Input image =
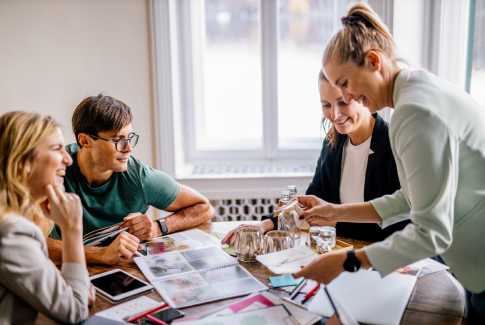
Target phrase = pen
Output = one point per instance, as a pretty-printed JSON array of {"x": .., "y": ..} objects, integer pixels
[
  {"x": 155, "y": 320},
  {"x": 310, "y": 293},
  {"x": 333, "y": 305},
  {"x": 300, "y": 286},
  {"x": 146, "y": 313},
  {"x": 297, "y": 286},
  {"x": 291, "y": 316},
  {"x": 294, "y": 303}
]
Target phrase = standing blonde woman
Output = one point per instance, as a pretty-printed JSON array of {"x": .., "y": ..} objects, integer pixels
[
  {"x": 437, "y": 139},
  {"x": 32, "y": 166}
]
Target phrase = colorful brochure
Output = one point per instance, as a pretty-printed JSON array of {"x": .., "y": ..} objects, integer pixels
[{"x": 197, "y": 276}]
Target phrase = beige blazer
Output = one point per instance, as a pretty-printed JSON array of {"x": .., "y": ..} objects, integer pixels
[{"x": 30, "y": 283}]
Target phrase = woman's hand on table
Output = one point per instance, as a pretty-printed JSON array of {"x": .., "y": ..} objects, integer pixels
[
  {"x": 265, "y": 225},
  {"x": 324, "y": 269},
  {"x": 317, "y": 212}
]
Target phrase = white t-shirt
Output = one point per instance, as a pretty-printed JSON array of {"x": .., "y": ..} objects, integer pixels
[{"x": 354, "y": 166}]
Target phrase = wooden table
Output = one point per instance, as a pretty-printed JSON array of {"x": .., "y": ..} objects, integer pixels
[{"x": 437, "y": 298}]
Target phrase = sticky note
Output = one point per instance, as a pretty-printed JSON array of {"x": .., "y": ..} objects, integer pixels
[{"x": 283, "y": 281}]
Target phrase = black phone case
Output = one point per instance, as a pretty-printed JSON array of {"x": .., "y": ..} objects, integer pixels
[{"x": 166, "y": 315}]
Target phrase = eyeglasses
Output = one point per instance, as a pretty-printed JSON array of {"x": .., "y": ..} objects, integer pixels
[{"x": 121, "y": 144}]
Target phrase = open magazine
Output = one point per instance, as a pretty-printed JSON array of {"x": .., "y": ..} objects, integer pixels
[
  {"x": 185, "y": 240},
  {"x": 103, "y": 236},
  {"x": 197, "y": 276}
]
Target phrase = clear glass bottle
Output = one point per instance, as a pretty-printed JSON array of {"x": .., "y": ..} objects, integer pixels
[
  {"x": 286, "y": 220},
  {"x": 292, "y": 190},
  {"x": 285, "y": 197}
]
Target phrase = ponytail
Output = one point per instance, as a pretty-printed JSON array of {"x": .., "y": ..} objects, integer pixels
[{"x": 362, "y": 31}]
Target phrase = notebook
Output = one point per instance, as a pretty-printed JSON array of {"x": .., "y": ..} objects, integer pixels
[{"x": 197, "y": 276}]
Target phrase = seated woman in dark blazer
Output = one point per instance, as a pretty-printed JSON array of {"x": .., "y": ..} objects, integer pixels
[{"x": 355, "y": 165}]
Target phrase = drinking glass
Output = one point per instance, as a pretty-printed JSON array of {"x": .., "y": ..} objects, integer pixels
[
  {"x": 277, "y": 240},
  {"x": 248, "y": 243},
  {"x": 286, "y": 222}
]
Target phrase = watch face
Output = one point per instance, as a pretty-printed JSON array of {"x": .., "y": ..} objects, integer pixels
[{"x": 351, "y": 264}]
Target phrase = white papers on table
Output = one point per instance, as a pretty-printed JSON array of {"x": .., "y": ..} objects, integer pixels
[
  {"x": 345, "y": 317},
  {"x": 288, "y": 261},
  {"x": 301, "y": 315},
  {"x": 367, "y": 297},
  {"x": 269, "y": 315},
  {"x": 130, "y": 308},
  {"x": 429, "y": 266}
]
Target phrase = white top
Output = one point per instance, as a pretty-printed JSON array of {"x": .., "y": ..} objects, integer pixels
[
  {"x": 30, "y": 283},
  {"x": 354, "y": 165},
  {"x": 438, "y": 140}
]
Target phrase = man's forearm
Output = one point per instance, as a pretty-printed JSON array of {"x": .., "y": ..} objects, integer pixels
[
  {"x": 189, "y": 217},
  {"x": 54, "y": 246}
]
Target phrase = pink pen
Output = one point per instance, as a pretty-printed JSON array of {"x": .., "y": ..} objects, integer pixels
[{"x": 155, "y": 320}]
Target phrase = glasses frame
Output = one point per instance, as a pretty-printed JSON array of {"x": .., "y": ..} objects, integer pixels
[{"x": 116, "y": 142}]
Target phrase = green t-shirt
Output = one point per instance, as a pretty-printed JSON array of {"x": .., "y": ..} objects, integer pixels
[{"x": 133, "y": 190}]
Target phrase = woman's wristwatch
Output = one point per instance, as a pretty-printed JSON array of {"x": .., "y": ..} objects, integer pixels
[
  {"x": 352, "y": 263},
  {"x": 163, "y": 226}
]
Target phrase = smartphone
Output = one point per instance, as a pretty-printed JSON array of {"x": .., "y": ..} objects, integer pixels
[
  {"x": 117, "y": 285},
  {"x": 166, "y": 315}
]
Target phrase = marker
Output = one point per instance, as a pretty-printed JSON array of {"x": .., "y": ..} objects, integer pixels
[
  {"x": 302, "y": 280},
  {"x": 300, "y": 286},
  {"x": 310, "y": 293}
]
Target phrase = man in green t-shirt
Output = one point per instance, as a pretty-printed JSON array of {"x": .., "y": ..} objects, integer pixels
[{"x": 115, "y": 187}]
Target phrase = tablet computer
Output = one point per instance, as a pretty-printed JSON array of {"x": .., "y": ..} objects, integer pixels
[{"x": 117, "y": 285}]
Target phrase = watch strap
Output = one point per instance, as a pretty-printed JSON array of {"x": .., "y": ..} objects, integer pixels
[
  {"x": 352, "y": 263},
  {"x": 163, "y": 226}
]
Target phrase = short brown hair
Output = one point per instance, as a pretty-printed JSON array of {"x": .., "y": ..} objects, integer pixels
[{"x": 100, "y": 113}]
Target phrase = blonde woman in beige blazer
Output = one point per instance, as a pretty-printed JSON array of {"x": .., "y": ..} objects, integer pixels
[{"x": 32, "y": 166}]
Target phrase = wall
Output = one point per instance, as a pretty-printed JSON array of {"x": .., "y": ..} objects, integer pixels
[{"x": 54, "y": 53}]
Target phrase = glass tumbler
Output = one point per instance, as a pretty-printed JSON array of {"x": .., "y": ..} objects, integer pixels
[
  {"x": 277, "y": 240},
  {"x": 248, "y": 243}
]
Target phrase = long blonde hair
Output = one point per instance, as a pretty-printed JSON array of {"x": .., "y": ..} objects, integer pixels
[
  {"x": 20, "y": 134},
  {"x": 328, "y": 126},
  {"x": 362, "y": 31}
]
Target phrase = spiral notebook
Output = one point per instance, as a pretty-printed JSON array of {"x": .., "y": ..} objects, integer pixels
[{"x": 197, "y": 276}]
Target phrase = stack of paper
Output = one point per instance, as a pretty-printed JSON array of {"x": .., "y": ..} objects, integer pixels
[{"x": 367, "y": 297}]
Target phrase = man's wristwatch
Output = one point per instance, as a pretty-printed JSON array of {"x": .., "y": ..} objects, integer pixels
[
  {"x": 351, "y": 264},
  {"x": 163, "y": 226}
]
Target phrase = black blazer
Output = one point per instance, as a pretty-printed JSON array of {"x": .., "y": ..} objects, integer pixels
[{"x": 380, "y": 179}]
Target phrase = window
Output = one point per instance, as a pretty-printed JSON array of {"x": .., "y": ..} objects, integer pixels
[
  {"x": 236, "y": 89},
  {"x": 477, "y": 57},
  {"x": 247, "y": 76}
]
